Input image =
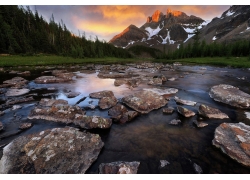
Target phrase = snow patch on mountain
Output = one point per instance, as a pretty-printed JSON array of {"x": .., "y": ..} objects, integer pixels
[
  {"x": 229, "y": 13},
  {"x": 204, "y": 24},
  {"x": 214, "y": 38},
  {"x": 189, "y": 36},
  {"x": 152, "y": 32},
  {"x": 164, "y": 41},
  {"x": 188, "y": 30}
]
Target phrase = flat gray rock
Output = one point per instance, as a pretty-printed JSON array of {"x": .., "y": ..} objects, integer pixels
[
  {"x": 210, "y": 112},
  {"x": 53, "y": 151},
  {"x": 185, "y": 112},
  {"x": 230, "y": 95},
  {"x": 161, "y": 92},
  {"x": 144, "y": 101},
  {"x": 234, "y": 140},
  {"x": 16, "y": 92},
  {"x": 184, "y": 102}
]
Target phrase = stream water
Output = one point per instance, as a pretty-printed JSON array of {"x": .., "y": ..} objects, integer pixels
[{"x": 148, "y": 138}]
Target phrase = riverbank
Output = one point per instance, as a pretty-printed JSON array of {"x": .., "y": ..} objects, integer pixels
[{"x": 7, "y": 61}]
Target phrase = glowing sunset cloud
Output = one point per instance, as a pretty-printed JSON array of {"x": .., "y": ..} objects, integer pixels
[{"x": 108, "y": 21}]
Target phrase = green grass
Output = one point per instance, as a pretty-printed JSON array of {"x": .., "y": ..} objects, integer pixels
[{"x": 7, "y": 61}]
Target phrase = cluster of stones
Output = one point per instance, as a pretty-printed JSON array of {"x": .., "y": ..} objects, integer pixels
[{"x": 58, "y": 77}]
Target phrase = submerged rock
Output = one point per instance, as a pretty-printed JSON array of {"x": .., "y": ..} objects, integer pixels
[
  {"x": 72, "y": 94},
  {"x": 185, "y": 102},
  {"x": 119, "y": 167},
  {"x": 1, "y": 126},
  {"x": 199, "y": 124},
  {"x": 234, "y": 140},
  {"x": 119, "y": 82},
  {"x": 15, "y": 107},
  {"x": 119, "y": 113},
  {"x": 175, "y": 122},
  {"x": 16, "y": 92},
  {"x": 53, "y": 151},
  {"x": 185, "y": 112},
  {"x": 210, "y": 112},
  {"x": 230, "y": 95},
  {"x": 144, "y": 101},
  {"x": 25, "y": 126},
  {"x": 52, "y": 102},
  {"x": 169, "y": 110}
]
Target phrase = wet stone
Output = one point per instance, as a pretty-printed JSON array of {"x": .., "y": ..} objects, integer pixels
[
  {"x": 15, "y": 107},
  {"x": 107, "y": 102},
  {"x": 210, "y": 112},
  {"x": 155, "y": 81},
  {"x": 185, "y": 112},
  {"x": 234, "y": 140},
  {"x": 24, "y": 126},
  {"x": 41, "y": 153},
  {"x": 144, "y": 101},
  {"x": 230, "y": 95},
  {"x": 184, "y": 102},
  {"x": 175, "y": 122},
  {"x": 19, "y": 100},
  {"x": 171, "y": 79},
  {"x": 162, "y": 92},
  {"x": 1, "y": 126},
  {"x": 169, "y": 110},
  {"x": 119, "y": 167},
  {"x": 16, "y": 82},
  {"x": 59, "y": 112},
  {"x": 101, "y": 94},
  {"x": 199, "y": 124},
  {"x": 197, "y": 169},
  {"x": 16, "y": 92},
  {"x": 72, "y": 94},
  {"x": 52, "y": 102}
]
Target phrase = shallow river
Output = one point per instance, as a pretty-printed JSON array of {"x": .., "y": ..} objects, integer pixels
[{"x": 148, "y": 138}]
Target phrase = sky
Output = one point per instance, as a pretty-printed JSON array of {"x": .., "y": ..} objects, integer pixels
[{"x": 105, "y": 19}]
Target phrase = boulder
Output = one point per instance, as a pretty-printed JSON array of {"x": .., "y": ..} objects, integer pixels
[
  {"x": 53, "y": 151},
  {"x": 175, "y": 122},
  {"x": 107, "y": 102},
  {"x": 210, "y": 112},
  {"x": 199, "y": 124},
  {"x": 119, "y": 82},
  {"x": 185, "y": 102},
  {"x": 234, "y": 140},
  {"x": 16, "y": 92},
  {"x": 155, "y": 81},
  {"x": 119, "y": 113},
  {"x": 69, "y": 114},
  {"x": 24, "y": 126},
  {"x": 119, "y": 167},
  {"x": 53, "y": 79},
  {"x": 230, "y": 95},
  {"x": 169, "y": 110},
  {"x": 144, "y": 101},
  {"x": 185, "y": 112},
  {"x": 101, "y": 94},
  {"x": 72, "y": 94},
  {"x": 16, "y": 82},
  {"x": 1, "y": 126},
  {"x": 52, "y": 102}
]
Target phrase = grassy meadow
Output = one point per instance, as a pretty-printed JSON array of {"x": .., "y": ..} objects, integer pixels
[{"x": 12, "y": 61}]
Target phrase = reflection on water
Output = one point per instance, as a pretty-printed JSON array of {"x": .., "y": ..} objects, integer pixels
[{"x": 149, "y": 138}]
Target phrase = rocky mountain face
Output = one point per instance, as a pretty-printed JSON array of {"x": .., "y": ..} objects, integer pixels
[
  {"x": 234, "y": 24},
  {"x": 171, "y": 29},
  {"x": 168, "y": 31}
]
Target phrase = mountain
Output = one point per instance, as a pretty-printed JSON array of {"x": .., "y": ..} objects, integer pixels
[
  {"x": 170, "y": 29},
  {"x": 233, "y": 25}
]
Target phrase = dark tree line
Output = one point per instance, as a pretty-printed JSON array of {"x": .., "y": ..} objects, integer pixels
[
  {"x": 25, "y": 32},
  {"x": 202, "y": 49}
]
